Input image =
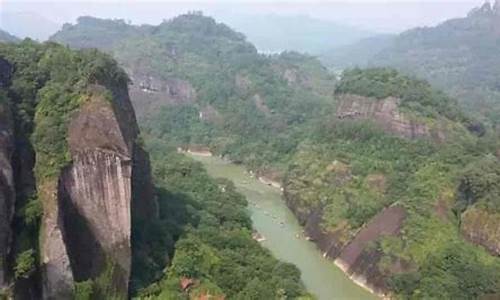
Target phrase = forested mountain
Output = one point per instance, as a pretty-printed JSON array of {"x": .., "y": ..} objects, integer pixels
[
  {"x": 7, "y": 37},
  {"x": 460, "y": 56},
  {"x": 387, "y": 174}
]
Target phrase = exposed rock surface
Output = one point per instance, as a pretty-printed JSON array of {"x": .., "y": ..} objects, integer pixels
[
  {"x": 150, "y": 93},
  {"x": 353, "y": 252},
  {"x": 386, "y": 113},
  {"x": 359, "y": 260},
  {"x": 90, "y": 231},
  {"x": 7, "y": 187},
  {"x": 482, "y": 228}
]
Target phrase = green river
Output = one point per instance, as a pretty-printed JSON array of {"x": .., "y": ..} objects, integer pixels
[{"x": 273, "y": 220}]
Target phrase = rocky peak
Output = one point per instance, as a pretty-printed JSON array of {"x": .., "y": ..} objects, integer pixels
[{"x": 487, "y": 9}]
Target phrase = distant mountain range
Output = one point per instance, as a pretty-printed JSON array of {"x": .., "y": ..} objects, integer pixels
[
  {"x": 7, "y": 37},
  {"x": 274, "y": 33},
  {"x": 27, "y": 24},
  {"x": 461, "y": 56}
]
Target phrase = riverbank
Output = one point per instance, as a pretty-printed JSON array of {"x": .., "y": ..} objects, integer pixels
[{"x": 283, "y": 235}]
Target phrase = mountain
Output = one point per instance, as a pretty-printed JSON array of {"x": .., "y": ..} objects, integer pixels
[
  {"x": 7, "y": 38},
  {"x": 381, "y": 169},
  {"x": 460, "y": 56},
  {"x": 274, "y": 33},
  {"x": 28, "y": 24}
]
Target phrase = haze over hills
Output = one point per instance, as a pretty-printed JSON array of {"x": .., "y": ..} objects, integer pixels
[
  {"x": 275, "y": 33},
  {"x": 387, "y": 174},
  {"x": 28, "y": 24},
  {"x": 7, "y": 37},
  {"x": 461, "y": 56}
]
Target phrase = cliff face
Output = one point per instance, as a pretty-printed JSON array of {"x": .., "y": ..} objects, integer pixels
[
  {"x": 353, "y": 252},
  {"x": 482, "y": 228},
  {"x": 7, "y": 188},
  {"x": 150, "y": 93},
  {"x": 91, "y": 233},
  {"x": 387, "y": 114},
  {"x": 66, "y": 217}
]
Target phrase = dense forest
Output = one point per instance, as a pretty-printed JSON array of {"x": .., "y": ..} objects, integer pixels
[{"x": 348, "y": 150}]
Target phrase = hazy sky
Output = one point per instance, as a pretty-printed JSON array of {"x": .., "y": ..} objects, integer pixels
[{"x": 375, "y": 15}]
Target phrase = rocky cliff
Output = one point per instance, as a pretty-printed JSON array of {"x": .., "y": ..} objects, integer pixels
[
  {"x": 95, "y": 197},
  {"x": 482, "y": 228},
  {"x": 387, "y": 114},
  {"x": 7, "y": 188},
  {"x": 354, "y": 252},
  {"x": 92, "y": 176}
]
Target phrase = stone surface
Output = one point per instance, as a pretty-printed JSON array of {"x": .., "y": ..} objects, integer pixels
[
  {"x": 7, "y": 186},
  {"x": 88, "y": 227},
  {"x": 149, "y": 93},
  {"x": 482, "y": 228},
  {"x": 385, "y": 113}
]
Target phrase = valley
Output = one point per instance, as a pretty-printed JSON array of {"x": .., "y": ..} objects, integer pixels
[
  {"x": 283, "y": 235},
  {"x": 176, "y": 161}
]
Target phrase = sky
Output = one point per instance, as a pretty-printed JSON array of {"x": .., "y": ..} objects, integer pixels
[{"x": 374, "y": 15}]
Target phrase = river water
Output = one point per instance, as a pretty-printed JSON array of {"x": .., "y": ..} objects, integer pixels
[{"x": 272, "y": 219}]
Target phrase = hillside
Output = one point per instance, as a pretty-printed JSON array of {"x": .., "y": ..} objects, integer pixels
[
  {"x": 378, "y": 167},
  {"x": 460, "y": 56}
]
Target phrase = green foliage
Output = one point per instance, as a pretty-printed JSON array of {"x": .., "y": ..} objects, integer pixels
[
  {"x": 454, "y": 272},
  {"x": 480, "y": 183},
  {"x": 83, "y": 290},
  {"x": 25, "y": 264},
  {"x": 32, "y": 212}
]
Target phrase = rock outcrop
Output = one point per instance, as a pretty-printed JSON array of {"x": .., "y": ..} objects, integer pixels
[
  {"x": 361, "y": 262},
  {"x": 352, "y": 251},
  {"x": 149, "y": 93},
  {"x": 89, "y": 233},
  {"x": 482, "y": 228},
  {"x": 387, "y": 114},
  {"x": 7, "y": 187}
]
